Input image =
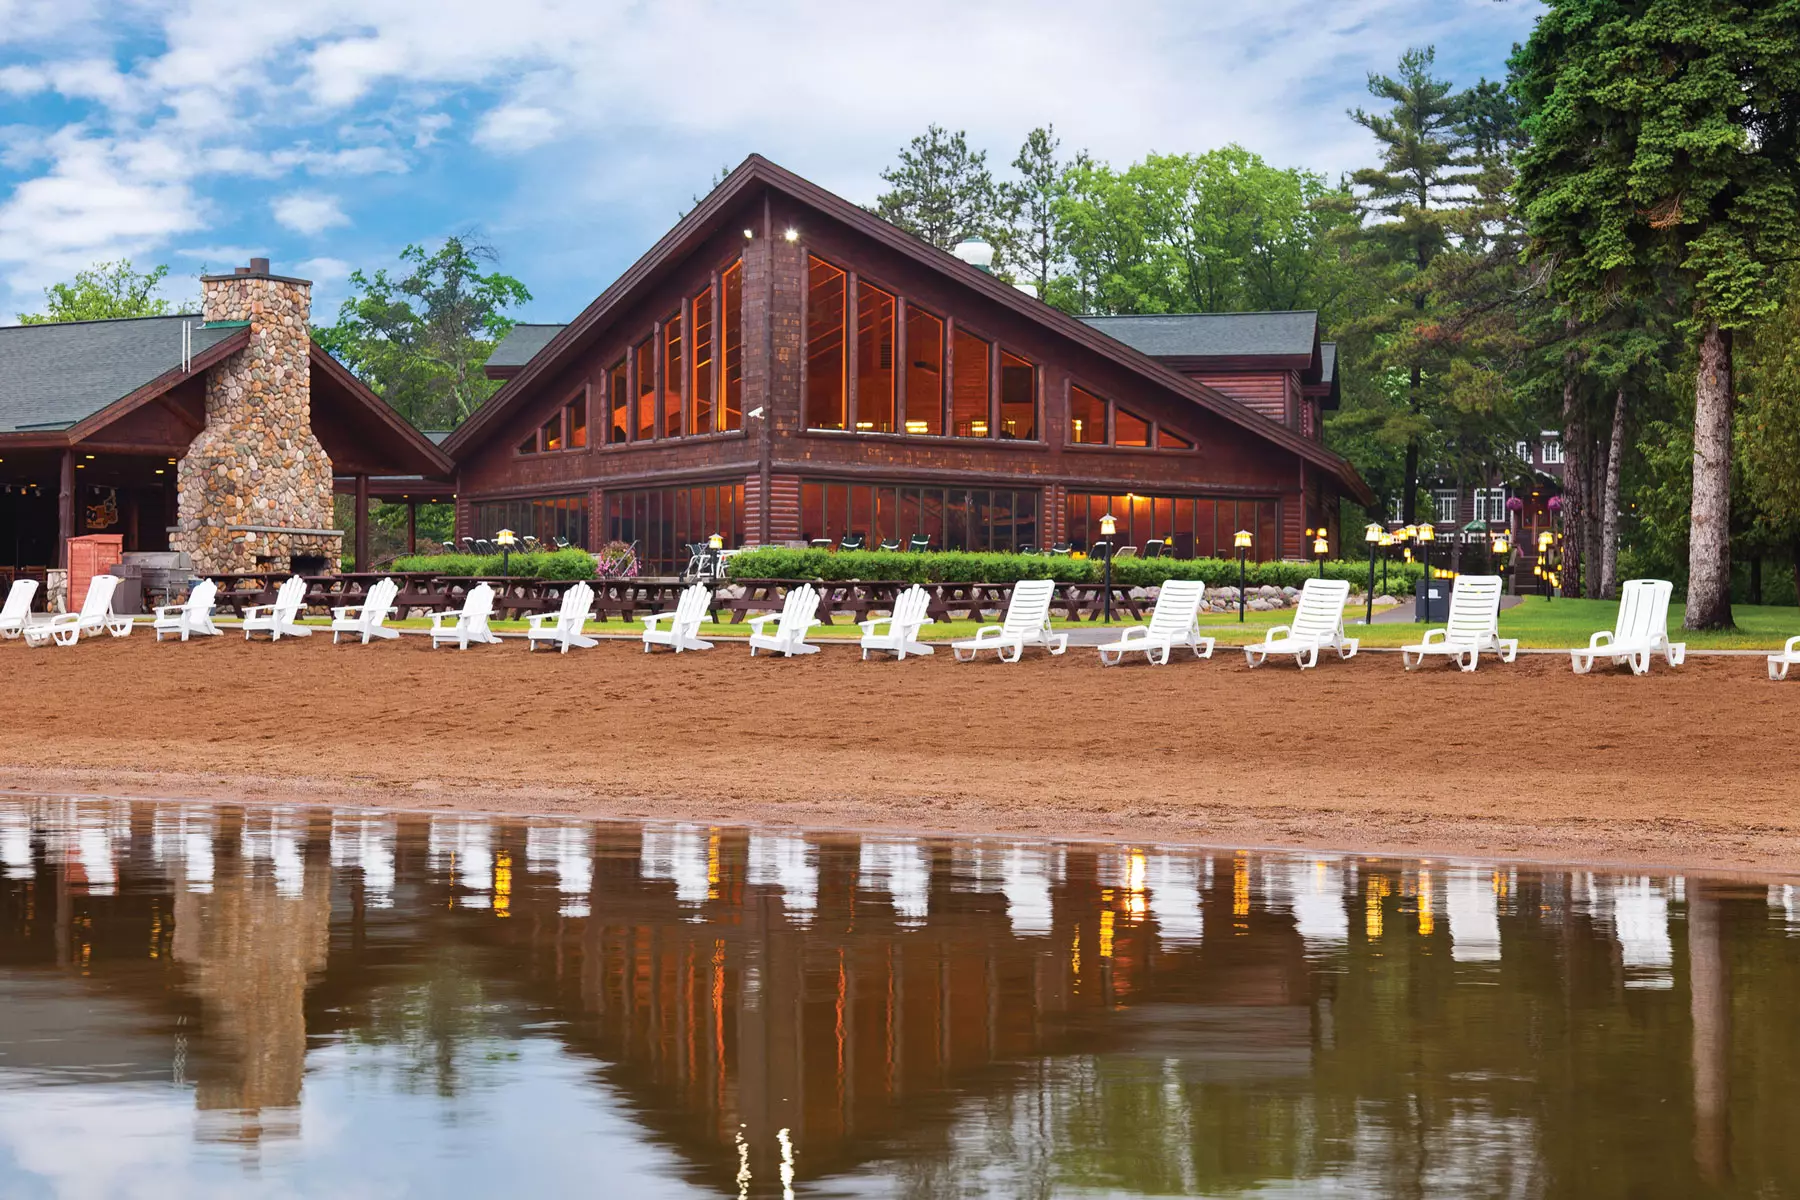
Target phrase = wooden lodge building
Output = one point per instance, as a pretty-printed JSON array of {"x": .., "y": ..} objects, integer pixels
[{"x": 783, "y": 366}]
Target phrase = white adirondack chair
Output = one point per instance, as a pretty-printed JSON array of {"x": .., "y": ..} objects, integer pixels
[
  {"x": 1641, "y": 629},
  {"x": 563, "y": 627},
  {"x": 683, "y": 632},
  {"x": 17, "y": 609},
  {"x": 902, "y": 636},
  {"x": 282, "y": 618},
  {"x": 1175, "y": 621},
  {"x": 470, "y": 624},
  {"x": 96, "y": 615},
  {"x": 367, "y": 619},
  {"x": 191, "y": 616},
  {"x": 1318, "y": 625},
  {"x": 799, "y": 613},
  {"x": 1473, "y": 626},
  {"x": 1779, "y": 663},
  {"x": 1027, "y": 623}
]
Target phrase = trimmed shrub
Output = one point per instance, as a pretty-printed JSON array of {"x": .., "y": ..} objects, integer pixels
[{"x": 554, "y": 564}]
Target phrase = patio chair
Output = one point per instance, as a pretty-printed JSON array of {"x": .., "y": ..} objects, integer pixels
[
  {"x": 1027, "y": 623},
  {"x": 282, "y": 618},
  {"x": 564, "y": 627},
  {"x": 890, "y": 544},
  {"x": 799, "y": 613},
  {"x": 1062, "y": 549},
  {"x": 468, "y": 545},
  {"x": 484, "y": 547},
  {"x": 1152, "y": 550},
  {"x": 918, "y": 543},
  {"x": 1779, "y": 663},
  {"x": 1027, "y": 548},
  {"x": 470, "y": 624},
  {"x": 1318, "y": 625},
  {"x": 367, "y": 619},
  {"x": 191, "y": 616},
  {"x": 530, "y": 543},
  {"x": 1640, "y": 630},
  {"x": 683, "y": 632},
  {"x": 1175, "y": 621},
  {"x": 96, "y": 615},
  {"x": 1125, "y": 552},
  {"x": 17, "y": 609},
  {"x": 563, "y": 543},
  {"x": 852, "y": 541},
  {"x": 902, "y": 636},
  {"x": 820, "y": 543},
  {"x": 697, "y": 555},
  {"x": 1472, "y": 626}
]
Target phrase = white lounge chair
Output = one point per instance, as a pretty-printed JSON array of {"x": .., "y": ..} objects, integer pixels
[
  {"x": 799, "y": 613},
  {"x": 282, "y": 618},
  {"x": 367, "y": 619},
  {"x": 1027, "y": 623},
  {"x": 96, "y": 615},
  {"x": 17, "y": 610},
  {"x": 1779, "y": 663},
  {"x": 683, "y": 632},
  {"x": 470, "y": 623},
  {"x": 1318, "y": 624},
  {"x": 191, "y": 616},
  {"x": 563, "y": 627},
  {"x": 1640, "y": 630},
  {"x": 902, "y": 636},
  {"x": 1175, "y": 621},
  {"x": 1472, "y": 626}
]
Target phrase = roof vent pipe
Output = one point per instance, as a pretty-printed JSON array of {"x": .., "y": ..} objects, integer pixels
[
  {"x": 259, "y": 266},
  {"x": 977, "y": 252}
]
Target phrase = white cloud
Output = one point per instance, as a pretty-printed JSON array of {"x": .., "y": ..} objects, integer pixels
[
  {"x": 513, "y": 128},
  {"x": 308, "y": 213}
]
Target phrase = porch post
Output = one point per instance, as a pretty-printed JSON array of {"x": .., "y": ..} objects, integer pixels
[
  {"x": 412, "y": 526},
  {"x": 65, "y": 509},
  {"x": 362, "y": 522}
]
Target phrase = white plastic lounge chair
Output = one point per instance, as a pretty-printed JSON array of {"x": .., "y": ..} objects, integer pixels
[
  {"x": 1779, "y": 663},
  {"x": 683, "y": 632},
  {"x": 1473, "y": 626},
  {"x": 96, "y": 615},
  {"x": 1027, "y": 623},
  {"x": 1175, "y": 621},
  {"x": 1641, "y": 629},
  {"x": 902, "y": 636},
  {"x": 191, "y": 616},
  {"x": 1318, "y": 625},
  {"x": 282, "y": 618},
  {"x": 367, "y": 619},
  {"x": 799, "y": 613},
  {"x": 17, "y": 609},
  {"x": 563, "y": 627},
  {"x": 468, "y": 625}
]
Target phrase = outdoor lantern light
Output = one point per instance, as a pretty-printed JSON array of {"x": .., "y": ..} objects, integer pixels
[
  {"x": 1107, "y": 528},
  {"x": 792, "y": 234},
  {"x": 505, "y": 540},
  {"x": 1373, "y": 533},
  {"x": 748, "y": 234},
  {"x": 716, "y": 541},
  {"x": 1321, "y": 547},
  {"x": 1241, "y": 539}
]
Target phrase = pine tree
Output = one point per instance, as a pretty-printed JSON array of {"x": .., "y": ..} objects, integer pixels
[
  {"x": 941, "y": 192},
  {"x": 1036, "y": 246}
]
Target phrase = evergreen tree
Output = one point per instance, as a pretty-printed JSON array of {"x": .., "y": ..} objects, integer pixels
[
  {"x": 940, "y": 191},
  {"x": 1666, "y": 144},
  {"x": 1037, "y": 249}
]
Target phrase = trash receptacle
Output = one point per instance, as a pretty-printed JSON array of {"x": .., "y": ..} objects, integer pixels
[
  {"x": 128, "y": 597},
  {"x": 1431, "y": 600}
]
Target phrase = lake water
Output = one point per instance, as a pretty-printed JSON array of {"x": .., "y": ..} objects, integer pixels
[{"x": 202, "y": 1001}]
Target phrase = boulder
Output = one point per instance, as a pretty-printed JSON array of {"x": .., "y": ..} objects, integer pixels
[{"x": 1261, "y": 605}]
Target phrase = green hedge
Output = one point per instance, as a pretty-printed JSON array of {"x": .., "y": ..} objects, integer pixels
[
  {"x": 554, "y": 564},
  {"x": 955, "y": 566}
]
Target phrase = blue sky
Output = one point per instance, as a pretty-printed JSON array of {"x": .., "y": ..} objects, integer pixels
[{"x": 327, "y": 134}]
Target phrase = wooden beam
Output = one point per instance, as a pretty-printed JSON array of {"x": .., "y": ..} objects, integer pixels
[
  {"x": 412, "y": 528},
  {"x": 362, "y": 522},
  {"x": 181, "y": 414},
  {"x": 65, "y": 509}
]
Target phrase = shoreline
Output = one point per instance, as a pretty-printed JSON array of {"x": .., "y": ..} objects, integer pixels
[{"x": 1681, "y": 770}]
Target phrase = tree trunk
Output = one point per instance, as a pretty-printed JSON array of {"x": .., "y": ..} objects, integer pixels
[
  {"x": 1575, "y": 480},
  {"x": 1756, "y": 579},
  {"x": 1409, "y": 502},
  {"x": 1609, "y": 512},
  {"x": 1709, "y": 526}
]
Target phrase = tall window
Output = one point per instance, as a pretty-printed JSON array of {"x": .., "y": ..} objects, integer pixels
[
  {"x": 1088, "y": 415},
  {"x": 1087, "y": 418},
  {"x": 1490, "y": 505},
  {"x": 1018, "y": 397},
  {"x": 825, "y": 388},
  {"x": 550, "y": 434},
  {"x": 1129, "y": 429},
  {"x": 672, "y": 374},
  {"x": 577, "y": 422},
  {"x": 1443, "y": 503},
  {"x": 731, "y": 415},
  {"x": 969, "y": 386},
  {"x": 664, "y": 521},
  {"x": 874, "y": 360},
  {"x": 618, "y": 420},
  {"x": 924, "y": 372},
  {"x": 545, "y": 518},
  {"x": 1553, "y": 452},
  {"x": 954, "y": 518},
  {"x": 700, "y": 388},
  {"x": 1189, "y": 527},
  {"x": 645, "y": 362}
]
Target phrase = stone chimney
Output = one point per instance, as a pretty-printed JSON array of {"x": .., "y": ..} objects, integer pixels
[{"x": 255, "y": 486}]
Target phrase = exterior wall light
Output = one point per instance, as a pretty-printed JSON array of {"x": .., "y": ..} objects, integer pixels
[
  {"x": 748, "y": 234},
  {"x": 792, "y": 234}
]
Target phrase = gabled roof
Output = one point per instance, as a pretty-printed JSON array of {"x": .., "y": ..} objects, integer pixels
[
  {"x": 1286, "y": 335},
  {"x": 53, "y": 376},
  {"x": 758, "y": 172},
  {"x": 517, "y": 348}
]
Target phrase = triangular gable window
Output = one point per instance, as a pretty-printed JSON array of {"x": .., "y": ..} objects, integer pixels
[
  {"x": 1129, "y": 429},
  {"x": 1171, "y": 441}
]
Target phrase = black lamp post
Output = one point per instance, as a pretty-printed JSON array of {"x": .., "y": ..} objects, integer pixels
[
  {"x": 1502, "y": 548},
  {"x": 1374, "y": 535},
  {"x": 505, "y": 539},
  {"x": 1425, "y": 535},
  {"x": 1108, "y": 526},
  {"x": 1321, "y": 547},
  {"x": 1242, "y": 540},
  {"x": 1386, "y": 544}
]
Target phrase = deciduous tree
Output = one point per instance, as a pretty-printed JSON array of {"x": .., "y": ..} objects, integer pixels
[{"x": 104, "y": 291}]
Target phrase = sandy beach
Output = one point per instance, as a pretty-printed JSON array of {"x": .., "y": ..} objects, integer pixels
[{"x": 1684, "y": 768}]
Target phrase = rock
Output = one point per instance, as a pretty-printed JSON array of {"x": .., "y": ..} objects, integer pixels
[
  {"x": 1385, "y": 602},
  {"x": 1262, "y": 606},
  {"x": 1290, "y": 592}
]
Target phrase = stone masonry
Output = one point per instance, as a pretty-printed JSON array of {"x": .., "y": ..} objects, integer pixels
[{"x": 255, "y": 486}]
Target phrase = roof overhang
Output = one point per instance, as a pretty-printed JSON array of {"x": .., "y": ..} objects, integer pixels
[{"x": 391, "y": 438}]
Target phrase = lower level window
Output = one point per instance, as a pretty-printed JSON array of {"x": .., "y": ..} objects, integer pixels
[
  {"x": 1189, "y": 527},
  {"x": 663, "y": 522},
  {"x": 546, "y": 518},
  {"x": 953, "y": 518}
]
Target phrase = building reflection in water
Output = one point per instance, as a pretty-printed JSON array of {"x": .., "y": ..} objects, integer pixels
[{"x": 1010, "y": 1018}]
